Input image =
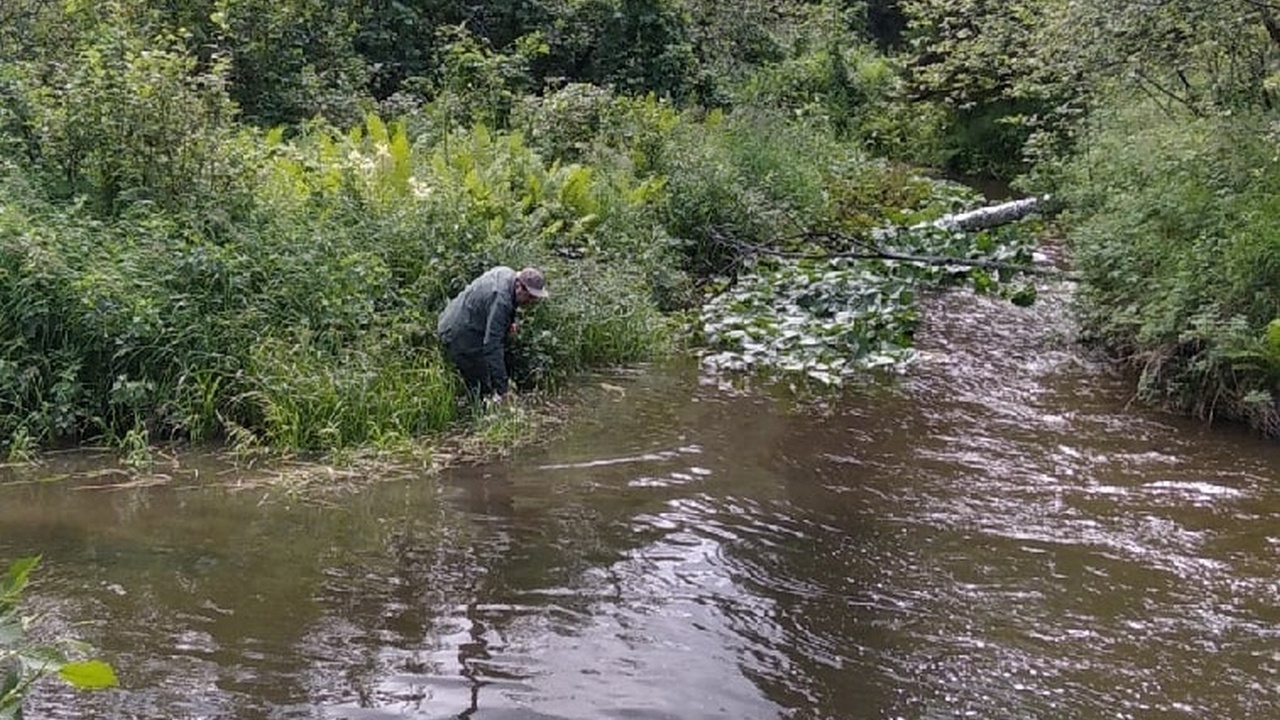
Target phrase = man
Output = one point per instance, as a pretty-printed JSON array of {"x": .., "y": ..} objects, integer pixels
[{"x": 475, "y": 325}]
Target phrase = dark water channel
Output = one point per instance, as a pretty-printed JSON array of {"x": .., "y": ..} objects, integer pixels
[{"x": 994, "y": 536}]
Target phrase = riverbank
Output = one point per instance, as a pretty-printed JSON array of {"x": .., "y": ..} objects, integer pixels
[{"x": 491, "y": 434}]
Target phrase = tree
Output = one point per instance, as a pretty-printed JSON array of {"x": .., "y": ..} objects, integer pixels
[{"x": 1190, "y": 55}]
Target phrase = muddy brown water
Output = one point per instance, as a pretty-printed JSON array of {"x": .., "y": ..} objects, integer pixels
[{"x": 996, "y": 534}]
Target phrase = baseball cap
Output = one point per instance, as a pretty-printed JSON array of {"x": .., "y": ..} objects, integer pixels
[{"x": 533, "y": 281}]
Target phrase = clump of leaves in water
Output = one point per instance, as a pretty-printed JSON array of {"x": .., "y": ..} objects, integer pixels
[
  {"x": 22, "y": 663},
  {"x": 825, "y": 320},
  {"x": 831, "y": 318}
]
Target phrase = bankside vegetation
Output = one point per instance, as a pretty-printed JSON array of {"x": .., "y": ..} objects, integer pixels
[
  {"x": 1157, "y": 124},
  {"x": 235, "y": 220}
]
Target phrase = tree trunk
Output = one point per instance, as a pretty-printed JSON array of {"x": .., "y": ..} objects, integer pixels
[{"x": 990, "y": 216}]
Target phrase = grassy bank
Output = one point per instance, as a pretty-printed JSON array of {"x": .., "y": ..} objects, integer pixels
[
  {"x": 1175, "y": 226},
  {"x": 296, "y": 309},
  {"x": 301, "y": 314}
]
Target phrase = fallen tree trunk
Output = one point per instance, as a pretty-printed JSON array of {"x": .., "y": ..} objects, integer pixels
[
  {"x": 968, "y": 221},
  {"x": 875, "y": 253},
  {"x": 988, "y": 217}
]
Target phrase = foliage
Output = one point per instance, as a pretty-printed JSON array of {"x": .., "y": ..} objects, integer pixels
[
  {"x": 129, "y": 119},
  {"x": 1193, "y": 54},
  {"x": 305, "y": 320},
  {"x": 1029, "y": 71},
  {"x": 290, "y": 60},
  {"x": 753, "y": 173},
  {"x": 592, "y": 124},
  {"x": 829, "y": 317},
  {"x": 1176, "y": 234},
  {"x": 828, "y": 321},
  {"x": 475, "y": 84},
  {"x": 316, "y": 400},
  {"x": 833, "y": 72},
  {"x": 609, "y": 318},
  {"x": 635, "y": 46},
  {"x": 973, "y": 61},
  {"x": 23, "y": 662}
]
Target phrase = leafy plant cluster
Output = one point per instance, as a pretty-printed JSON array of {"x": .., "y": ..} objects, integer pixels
[
  {"x": 304, "y": 318},
  {"x": 1155, "y": 123},
  {"x": 826, "y": 321},
  {"x": 823, "y": 313},
  {"x": 24, "y": 662},
  {"x": 1177, "y": 233}
]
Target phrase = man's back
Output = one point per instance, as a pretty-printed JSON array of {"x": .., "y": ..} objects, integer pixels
[{"x": 482, "y": 311}]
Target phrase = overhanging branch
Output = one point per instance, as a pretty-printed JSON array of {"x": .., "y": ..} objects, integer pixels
[
  {"x": 970, "y": 221},
  {"x": 874, "y": 253}
]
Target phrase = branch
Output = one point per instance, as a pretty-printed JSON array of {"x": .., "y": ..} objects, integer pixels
[
  {"x": 1147, "y": 84},
  {"x": 987, "y": 217},
  {"x": 874, "y": 253}
]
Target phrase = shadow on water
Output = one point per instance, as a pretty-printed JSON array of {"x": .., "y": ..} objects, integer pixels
[{"x": 993, "y": 535}]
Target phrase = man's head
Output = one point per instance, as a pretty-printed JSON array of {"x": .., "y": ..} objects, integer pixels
[{"x": 530, "y": 286}]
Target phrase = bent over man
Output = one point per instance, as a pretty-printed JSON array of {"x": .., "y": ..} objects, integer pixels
[{"x": 475, "y": 326}]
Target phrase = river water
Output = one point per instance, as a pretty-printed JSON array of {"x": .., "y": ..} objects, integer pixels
[{"x": 995, "y": 534}]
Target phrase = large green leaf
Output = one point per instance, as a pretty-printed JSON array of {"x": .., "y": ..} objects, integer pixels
[
  {"x": 89, "y": 675},
  {"x": 15, "y": 579},
  {"x": 1272, "y": 338}
]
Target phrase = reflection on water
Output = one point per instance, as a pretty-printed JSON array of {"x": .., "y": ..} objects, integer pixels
[{"x": 995, "y": 535}]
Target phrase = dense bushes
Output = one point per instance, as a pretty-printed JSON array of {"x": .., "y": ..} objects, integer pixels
[
  {"x": 304, "y": 320},
  {"x": 1177, "y": 232}
]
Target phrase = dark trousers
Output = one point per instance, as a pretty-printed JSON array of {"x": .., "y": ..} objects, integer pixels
[{"x": 474, "y": 370}]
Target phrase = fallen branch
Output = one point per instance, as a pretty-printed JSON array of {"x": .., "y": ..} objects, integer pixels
[
  {"x": 875, "y": 253},
  {"x": 987, "y": 217},
  {"x": 968, "y": 221}
]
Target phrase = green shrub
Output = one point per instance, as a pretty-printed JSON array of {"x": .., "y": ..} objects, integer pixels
[
  {"x": 132, "y": 120},
  {"x": 588, "y": 123},
  {"x": 1176, "y": 229},
  {"x": 604, "y": 316}
]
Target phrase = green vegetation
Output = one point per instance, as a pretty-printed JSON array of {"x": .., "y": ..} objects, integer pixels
[
  {"x": 816, "y": 310},
  {"x": 23, "y": 663},
  {"x": 1157, "y": 126},
  {"x": 235, "y": 221},
  {"x": 1178, "y": 239}
]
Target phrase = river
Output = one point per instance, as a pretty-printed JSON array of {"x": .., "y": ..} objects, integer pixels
[{"x": 998, "y": 533}]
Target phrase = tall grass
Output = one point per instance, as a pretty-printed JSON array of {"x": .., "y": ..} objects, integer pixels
[
  {"x": 309, "y": 320},
  {"x": 313, "y": 400}
]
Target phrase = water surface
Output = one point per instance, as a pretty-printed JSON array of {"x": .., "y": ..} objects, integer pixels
[{"x": 997, "y": 534}]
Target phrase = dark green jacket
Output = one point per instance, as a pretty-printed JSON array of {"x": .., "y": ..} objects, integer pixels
[{"x": 474, "y": 324}]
